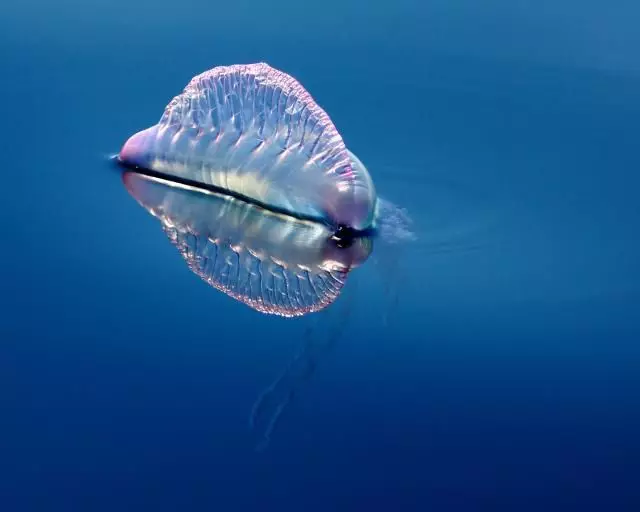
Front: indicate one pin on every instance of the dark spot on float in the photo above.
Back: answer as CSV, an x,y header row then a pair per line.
x,y
344,236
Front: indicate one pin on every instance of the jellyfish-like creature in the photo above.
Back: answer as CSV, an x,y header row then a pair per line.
x,y
254,134
254,185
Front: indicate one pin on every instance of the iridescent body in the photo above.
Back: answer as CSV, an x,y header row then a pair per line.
x,y
254,131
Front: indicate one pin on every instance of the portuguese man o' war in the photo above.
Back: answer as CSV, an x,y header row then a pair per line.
x,y
254,134
254,185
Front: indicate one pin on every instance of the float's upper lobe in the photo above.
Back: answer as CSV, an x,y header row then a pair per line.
x,y
257,132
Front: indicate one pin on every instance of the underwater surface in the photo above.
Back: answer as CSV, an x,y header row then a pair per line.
x,y
489,361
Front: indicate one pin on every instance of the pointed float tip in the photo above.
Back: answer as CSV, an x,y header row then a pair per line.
x,y
134,152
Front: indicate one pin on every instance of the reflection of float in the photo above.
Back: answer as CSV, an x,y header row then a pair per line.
x,y
274,263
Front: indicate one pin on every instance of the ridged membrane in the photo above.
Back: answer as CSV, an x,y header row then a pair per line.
x,y
273,263
256,131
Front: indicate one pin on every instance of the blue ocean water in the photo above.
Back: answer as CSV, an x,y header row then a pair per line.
x,y
492,364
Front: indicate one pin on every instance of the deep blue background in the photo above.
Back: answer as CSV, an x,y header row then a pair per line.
x,y
505,379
